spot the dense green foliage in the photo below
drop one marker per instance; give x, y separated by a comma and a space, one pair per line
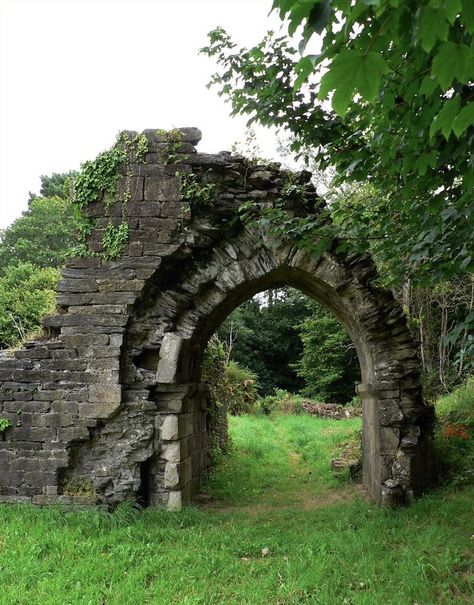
114, 240
55, 185
403, 121
292, 343
265, 339
32, 249
454, 437
26, 295
329, 361
44, 235
233, 388
436, 316
99, 176
458, 405
326, 544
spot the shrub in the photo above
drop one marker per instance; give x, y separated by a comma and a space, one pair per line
458, 406
280, 402
240, 389
232, 389
454, 434
26, 295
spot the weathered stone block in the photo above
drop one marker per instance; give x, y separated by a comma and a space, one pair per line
105, 393
77, 285
169, 427
175, 502
186, 424
171, 477
171, 452
168, 364
389, 439
98, 409
162, 189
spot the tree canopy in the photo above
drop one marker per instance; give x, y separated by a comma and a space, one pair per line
54, 185
44, 235
32, 249
387, 101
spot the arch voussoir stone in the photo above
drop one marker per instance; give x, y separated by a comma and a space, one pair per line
111, 406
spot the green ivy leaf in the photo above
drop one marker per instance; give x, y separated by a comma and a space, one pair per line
464, 119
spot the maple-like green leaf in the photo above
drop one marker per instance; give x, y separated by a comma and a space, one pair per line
425, 161
299, 11
303, 68
464, 119
432, 27
468, 181
453, 61
341, 100
444, 120
350, 71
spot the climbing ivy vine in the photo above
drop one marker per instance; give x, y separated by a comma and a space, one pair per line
197, 189
99, 178
114, 241
5, 424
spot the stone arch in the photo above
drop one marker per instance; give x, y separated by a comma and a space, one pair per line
114, 399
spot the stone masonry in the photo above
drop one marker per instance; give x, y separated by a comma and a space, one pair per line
110, 406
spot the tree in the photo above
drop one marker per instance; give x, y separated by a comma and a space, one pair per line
265, 338
292, 343
30, 250
43, 236
399, 75
26, 295
329, 363
54, 185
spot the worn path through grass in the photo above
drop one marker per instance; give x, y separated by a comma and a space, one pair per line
282, 462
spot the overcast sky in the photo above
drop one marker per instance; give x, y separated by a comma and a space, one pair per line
73, 73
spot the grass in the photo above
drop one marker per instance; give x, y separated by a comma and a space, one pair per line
280, 459
326, 544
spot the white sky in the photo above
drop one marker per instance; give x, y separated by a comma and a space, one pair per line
73, 73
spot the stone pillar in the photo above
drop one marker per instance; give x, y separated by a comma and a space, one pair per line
393, 443
181, 422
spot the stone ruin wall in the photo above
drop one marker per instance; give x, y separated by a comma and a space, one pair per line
110, 407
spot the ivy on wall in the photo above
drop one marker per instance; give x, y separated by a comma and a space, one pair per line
98, 179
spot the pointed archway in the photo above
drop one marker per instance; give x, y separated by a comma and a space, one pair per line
114, 399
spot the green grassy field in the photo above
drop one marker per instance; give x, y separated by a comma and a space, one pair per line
322, 542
